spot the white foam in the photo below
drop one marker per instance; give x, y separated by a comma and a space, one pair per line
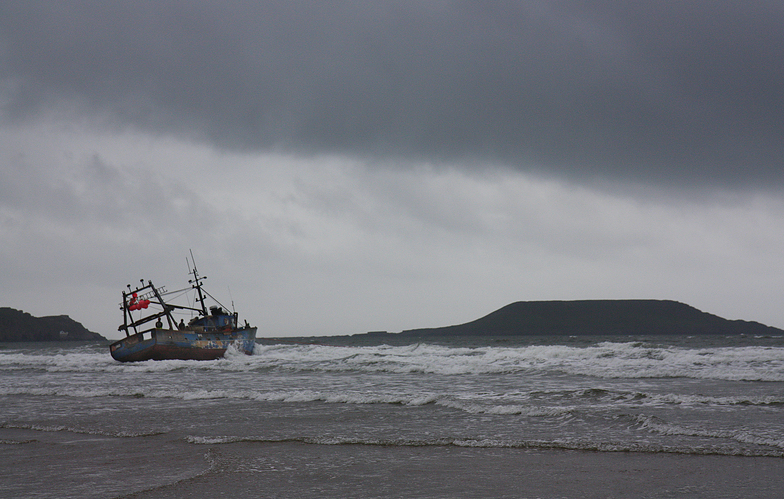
603, 360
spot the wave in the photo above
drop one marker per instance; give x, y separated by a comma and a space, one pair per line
554, 404
17, 442
572, 445
79, 431
741, 435
603, 360
632, 360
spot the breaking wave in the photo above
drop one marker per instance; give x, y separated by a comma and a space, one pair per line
535, 404
602, 360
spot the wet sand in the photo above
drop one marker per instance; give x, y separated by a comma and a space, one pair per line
63, 464
286, 470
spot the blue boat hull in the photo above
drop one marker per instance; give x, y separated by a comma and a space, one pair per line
173, 344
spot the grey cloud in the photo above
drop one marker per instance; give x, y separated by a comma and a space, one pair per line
665, 92
87, 199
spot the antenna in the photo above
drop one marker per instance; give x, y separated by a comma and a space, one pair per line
232, 299
192, 260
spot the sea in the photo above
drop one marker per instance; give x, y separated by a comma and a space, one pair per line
555, 417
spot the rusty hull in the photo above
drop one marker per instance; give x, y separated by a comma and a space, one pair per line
168, 344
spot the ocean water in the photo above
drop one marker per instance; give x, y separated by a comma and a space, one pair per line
472, 417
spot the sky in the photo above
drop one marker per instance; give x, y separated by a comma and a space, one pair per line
338, 167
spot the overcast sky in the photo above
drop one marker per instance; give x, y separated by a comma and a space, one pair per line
340, 167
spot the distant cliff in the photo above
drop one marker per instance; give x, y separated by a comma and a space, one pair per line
598, 317
16, 325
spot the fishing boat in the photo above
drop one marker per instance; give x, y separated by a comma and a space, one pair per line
206, 336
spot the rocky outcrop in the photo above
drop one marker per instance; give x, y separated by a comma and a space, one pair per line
16, 325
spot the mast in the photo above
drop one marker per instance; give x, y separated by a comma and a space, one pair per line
196, 284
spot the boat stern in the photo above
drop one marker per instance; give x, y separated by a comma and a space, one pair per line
134, 347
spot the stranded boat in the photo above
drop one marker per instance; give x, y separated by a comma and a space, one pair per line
205, 337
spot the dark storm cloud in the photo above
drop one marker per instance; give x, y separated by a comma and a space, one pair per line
686, 92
